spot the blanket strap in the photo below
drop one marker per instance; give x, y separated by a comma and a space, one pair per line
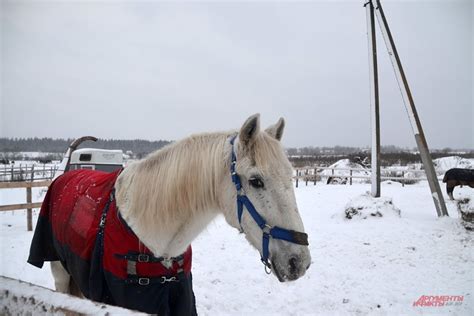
96, 277
143, 257
134, 257
148, 281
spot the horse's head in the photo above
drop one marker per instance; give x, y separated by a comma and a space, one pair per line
264, 173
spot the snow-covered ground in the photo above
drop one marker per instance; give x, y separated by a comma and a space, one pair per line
380, 265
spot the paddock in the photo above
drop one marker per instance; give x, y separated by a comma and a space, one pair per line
380, 265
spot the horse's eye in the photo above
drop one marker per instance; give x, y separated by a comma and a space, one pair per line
256, 182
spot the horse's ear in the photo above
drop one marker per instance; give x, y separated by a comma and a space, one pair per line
276, 131
250, 129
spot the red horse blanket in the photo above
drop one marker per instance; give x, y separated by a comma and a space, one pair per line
80, 226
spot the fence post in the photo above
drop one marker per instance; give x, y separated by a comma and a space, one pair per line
29, 219
350, 177
315, 176
403, 180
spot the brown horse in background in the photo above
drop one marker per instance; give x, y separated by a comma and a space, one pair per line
457, 176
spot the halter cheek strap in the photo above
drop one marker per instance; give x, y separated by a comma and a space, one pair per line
268, 231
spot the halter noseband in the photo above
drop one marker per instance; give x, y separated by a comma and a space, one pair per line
268, 231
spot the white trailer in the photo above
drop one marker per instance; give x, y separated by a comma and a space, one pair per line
89, 158
96, 159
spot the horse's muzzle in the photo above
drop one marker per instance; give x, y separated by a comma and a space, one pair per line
292, 270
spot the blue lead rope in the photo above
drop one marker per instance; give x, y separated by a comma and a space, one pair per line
268, 231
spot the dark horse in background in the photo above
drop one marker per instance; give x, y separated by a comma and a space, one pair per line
458, 176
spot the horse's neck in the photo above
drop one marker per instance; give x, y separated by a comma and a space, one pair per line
171, 196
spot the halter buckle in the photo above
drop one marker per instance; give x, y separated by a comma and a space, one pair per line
266, 229
267, 267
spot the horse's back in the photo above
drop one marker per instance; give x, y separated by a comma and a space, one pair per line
78, 200
69, 219
459, 174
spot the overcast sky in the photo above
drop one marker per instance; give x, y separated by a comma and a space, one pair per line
160, 70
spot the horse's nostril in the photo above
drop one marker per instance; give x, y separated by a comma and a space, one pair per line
309, 264
292, 262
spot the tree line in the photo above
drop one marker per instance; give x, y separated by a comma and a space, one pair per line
304, 156
139, 147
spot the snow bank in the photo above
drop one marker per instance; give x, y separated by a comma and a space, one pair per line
21, 298
392, 183
444, 164
342, 176
465, 206
365, 206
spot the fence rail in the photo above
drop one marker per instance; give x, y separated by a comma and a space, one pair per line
20, 173
313, 174
22, 298
29, 205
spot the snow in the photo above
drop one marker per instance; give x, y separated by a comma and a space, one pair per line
345, 165
36, 300
465, 204
13, 196
378, 266
365, 206
444, 164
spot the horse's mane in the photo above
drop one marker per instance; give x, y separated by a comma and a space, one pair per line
183, 178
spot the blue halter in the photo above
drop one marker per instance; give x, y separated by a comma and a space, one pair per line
268, 231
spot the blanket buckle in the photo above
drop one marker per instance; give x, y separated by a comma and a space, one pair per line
143, 281
143, 258
165, 279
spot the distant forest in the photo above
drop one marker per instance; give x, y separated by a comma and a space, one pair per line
10, 148
138, 147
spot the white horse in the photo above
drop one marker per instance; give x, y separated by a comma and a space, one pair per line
168, 198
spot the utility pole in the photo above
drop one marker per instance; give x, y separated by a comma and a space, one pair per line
415, 123
374, 100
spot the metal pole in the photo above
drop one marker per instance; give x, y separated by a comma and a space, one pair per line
374, 99
412, 113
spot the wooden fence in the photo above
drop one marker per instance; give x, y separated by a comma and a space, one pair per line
29, 205
314, 174
10, 173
